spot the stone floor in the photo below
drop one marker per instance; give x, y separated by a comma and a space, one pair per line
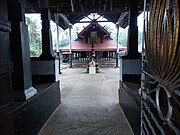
89, 105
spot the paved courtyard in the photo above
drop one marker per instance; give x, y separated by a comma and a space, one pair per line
89, 105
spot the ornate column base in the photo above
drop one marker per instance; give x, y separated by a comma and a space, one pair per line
24, 95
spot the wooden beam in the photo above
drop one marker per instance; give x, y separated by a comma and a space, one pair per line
76, 20
110, 16
43, 3
110, 1
123, 17
81, 5
72, 6
35, 9
91, 21
99, 17
98, 12
66, 21
105, 5
88, 17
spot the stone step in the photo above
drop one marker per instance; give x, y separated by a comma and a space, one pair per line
101, 65
107, 65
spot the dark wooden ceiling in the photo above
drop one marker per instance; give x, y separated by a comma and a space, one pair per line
75, 10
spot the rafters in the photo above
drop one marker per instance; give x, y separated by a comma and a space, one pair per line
75, 10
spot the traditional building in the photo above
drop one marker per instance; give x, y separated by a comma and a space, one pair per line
104, 46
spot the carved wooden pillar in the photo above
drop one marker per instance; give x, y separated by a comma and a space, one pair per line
6, 99
20, 54
47, 51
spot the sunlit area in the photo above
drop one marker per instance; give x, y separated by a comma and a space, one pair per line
34, 27
140, 32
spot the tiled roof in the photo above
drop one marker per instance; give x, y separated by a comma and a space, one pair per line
107, 45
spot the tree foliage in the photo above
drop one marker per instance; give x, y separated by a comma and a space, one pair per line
123, 36
64, 39
107, 27
140, 34
35, 41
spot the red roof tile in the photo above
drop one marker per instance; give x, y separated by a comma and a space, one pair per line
107, 45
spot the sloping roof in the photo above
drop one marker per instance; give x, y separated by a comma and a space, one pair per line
80, 34
107, 45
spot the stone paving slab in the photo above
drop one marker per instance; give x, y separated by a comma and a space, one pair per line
89, 105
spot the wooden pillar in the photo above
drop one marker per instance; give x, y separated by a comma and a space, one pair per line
47, 51
70, 44
50, 71
131, 64
57, 44
117, 49
20, 54
133, 30
6, 97
133, 58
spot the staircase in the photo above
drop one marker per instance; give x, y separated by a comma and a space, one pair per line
102, 64
107, 64
80, 64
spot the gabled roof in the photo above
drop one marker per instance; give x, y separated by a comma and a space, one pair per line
80, 45
97, 25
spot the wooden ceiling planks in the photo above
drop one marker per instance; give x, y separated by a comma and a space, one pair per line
111, 9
